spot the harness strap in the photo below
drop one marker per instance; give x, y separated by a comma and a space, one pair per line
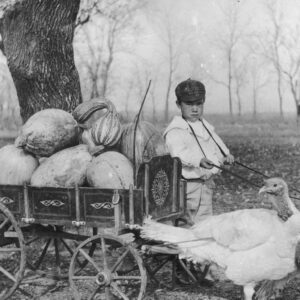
194, 134
220, 148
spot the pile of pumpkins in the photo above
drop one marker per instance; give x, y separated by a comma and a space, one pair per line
89, 147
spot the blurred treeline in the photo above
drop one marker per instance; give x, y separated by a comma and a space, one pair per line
247, 52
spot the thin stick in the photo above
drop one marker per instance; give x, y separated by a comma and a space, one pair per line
134, 134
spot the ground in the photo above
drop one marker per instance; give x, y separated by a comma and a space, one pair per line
270, 148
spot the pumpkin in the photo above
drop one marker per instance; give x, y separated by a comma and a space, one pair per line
17, 166
110, 169
107, 131
149, 142
65, 168
48, 131
88, 112
86, 138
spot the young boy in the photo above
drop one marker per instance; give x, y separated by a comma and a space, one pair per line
191, 138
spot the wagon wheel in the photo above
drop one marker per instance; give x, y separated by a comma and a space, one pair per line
115, 271
51, 248
12, 253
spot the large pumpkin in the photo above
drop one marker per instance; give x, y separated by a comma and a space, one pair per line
65, 168
48, 131
149, 142
17, 166
110, 170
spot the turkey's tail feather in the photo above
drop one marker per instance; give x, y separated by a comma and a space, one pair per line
153, 230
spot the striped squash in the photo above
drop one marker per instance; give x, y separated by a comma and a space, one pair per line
106, 130
88, 112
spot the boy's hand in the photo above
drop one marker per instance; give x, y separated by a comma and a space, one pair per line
229, 159
206, 163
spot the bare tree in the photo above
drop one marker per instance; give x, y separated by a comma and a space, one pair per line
173, 36
259, 79
271, 42
91, 61
226, 41
37, 41
291, 68
109, 22
239, 76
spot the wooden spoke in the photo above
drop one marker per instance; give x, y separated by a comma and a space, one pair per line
41, 258
57, 256
67, 247
107, 293
5, 222
81, 264
103, 247
127, 277
10, 249
7, 274
90, 260
116, 288
84, 277
93, 294
118, 262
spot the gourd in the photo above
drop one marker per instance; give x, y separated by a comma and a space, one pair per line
110, 169
88, 112
100, 129
17, 166
86, 138
48, 131
148, 143
106, 130
65, 168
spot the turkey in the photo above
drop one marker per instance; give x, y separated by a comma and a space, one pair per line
250, 245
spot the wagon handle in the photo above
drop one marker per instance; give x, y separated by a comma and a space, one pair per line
135, 129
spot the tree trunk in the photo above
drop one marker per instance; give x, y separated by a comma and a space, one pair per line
37, 39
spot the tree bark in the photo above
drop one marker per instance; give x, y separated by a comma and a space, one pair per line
37, 41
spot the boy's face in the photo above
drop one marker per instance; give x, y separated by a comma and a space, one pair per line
191, 111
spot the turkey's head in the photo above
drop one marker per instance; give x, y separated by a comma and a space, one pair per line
278, 195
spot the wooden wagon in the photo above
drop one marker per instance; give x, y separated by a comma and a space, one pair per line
93, 226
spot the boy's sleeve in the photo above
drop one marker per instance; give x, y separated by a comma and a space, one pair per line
177, 143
